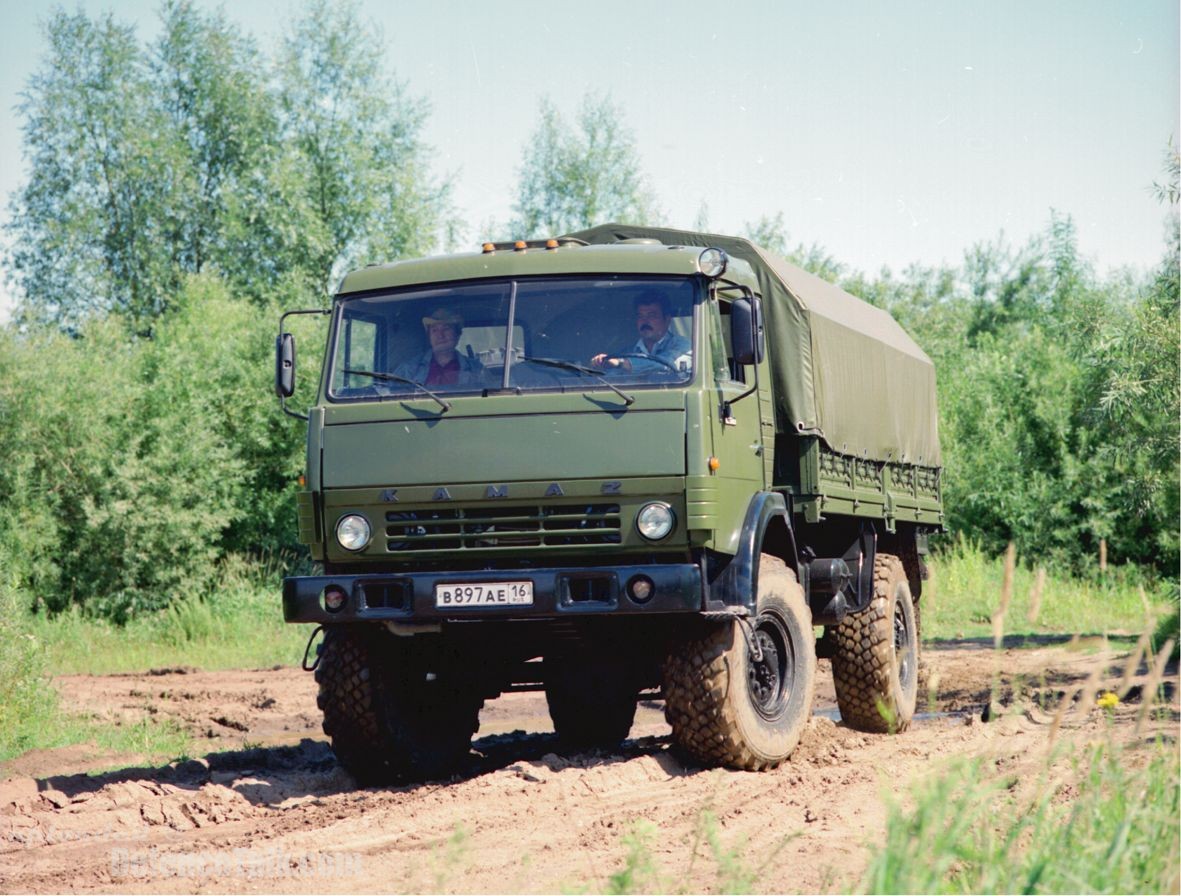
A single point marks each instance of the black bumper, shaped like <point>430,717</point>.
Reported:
<point>410,597</point>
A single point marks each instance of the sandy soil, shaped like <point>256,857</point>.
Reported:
<point>268,810</point>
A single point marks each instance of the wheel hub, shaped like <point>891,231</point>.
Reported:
<point>902,645</point>
<point>769,669</point>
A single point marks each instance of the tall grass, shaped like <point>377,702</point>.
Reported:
<point>1105,821</point>
<point>237,624</point>
<point>962,598</point>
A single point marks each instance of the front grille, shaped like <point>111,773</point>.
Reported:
<point>471,528</point>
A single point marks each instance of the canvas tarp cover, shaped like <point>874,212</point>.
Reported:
<point>843,369</point>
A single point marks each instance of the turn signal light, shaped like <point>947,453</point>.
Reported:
<point>714,463</point>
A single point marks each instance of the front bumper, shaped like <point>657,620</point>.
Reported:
<point>576,591</point>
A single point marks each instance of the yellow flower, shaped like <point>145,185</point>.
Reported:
<point>1107,700</point>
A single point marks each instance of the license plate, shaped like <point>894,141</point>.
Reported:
<point>484,594</point>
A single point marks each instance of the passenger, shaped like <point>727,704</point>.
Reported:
<point>653,316</point>
<point>442,364</point>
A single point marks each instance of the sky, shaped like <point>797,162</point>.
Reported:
<point>888,133</point>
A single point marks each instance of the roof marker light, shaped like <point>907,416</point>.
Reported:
<point>551,244</point>
<point>489,247</point>
<point>519,246</point>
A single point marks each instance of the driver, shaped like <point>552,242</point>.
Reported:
<point>653,316</point>
<point>442,365</point>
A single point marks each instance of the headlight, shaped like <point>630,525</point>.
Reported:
<point>655,521</point>
<point>352,531</point>
<point>712,262</point>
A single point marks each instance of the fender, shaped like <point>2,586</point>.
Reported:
<point>737,582</point>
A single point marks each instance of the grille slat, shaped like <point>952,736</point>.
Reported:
<point>482,528</point>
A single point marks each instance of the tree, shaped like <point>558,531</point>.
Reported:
<point>354,163</point>
<point>211,86</point>
<point>571,180</point>
<point>93,227</point>
<point>771,234</point>
<point>149,164</point>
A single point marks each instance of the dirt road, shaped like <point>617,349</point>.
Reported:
<point>268,810</point>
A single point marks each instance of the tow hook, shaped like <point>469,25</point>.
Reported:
<point>308,650</point>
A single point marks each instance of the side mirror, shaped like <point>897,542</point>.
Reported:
<point>746,331</point>
<point>285,365</point>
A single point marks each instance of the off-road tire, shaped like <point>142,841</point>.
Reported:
<point>875,667</point>
<point>591,699</point>
<point>725,709</point>
<point>394,710</point>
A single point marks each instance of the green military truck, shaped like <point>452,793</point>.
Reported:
<point>621,461</point>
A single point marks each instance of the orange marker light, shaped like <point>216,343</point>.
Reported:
<point>714,463</point>
<point>303,481</point>
<point>551,244</point>
<point>519,245</point>
<point>488,247</point>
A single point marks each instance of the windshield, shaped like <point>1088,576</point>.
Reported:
<point>568,334</point>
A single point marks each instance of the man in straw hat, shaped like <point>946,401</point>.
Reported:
<point>442,365</point>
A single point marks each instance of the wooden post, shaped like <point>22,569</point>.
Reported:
<point>1102,555</point>
<point>1035,594</point>
<point>998,617</point>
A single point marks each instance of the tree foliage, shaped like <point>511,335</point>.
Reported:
<point>771,233</point>
<point>572,179</point>
<point>196,153</point>
<point>186,189</point>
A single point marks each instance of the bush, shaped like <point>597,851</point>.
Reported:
<point>28,699</point>
<point>142,462</point>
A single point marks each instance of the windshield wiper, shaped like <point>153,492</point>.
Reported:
<point>578,368</point>
<point>400,379</point>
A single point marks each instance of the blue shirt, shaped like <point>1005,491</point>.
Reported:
<point>672,348</point>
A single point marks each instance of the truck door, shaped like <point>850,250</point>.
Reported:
<point>736,425</point>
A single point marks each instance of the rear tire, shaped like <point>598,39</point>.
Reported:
<point>728,707</point>
<point>875,667</point>
<point>394,709</point>
<point>591,698</point>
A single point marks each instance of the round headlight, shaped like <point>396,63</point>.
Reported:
<point>352,531</point>
<point>712,262</point>
<point>655,521</point>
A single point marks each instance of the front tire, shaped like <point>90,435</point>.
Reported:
<point>733,707</point>
<point>875,667</point>
<point>394,709</point>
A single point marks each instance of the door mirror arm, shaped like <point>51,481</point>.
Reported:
<point>285,362</point>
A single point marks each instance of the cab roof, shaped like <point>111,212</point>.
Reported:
<point>641,256</point>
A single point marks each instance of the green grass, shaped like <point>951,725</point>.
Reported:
<point>1105,821</point>
<point>239,625</point>
<point>965,591</point>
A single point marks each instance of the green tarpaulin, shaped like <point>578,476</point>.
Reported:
<point>842,369</point>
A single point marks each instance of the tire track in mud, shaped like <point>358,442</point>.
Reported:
<point>523,816</point>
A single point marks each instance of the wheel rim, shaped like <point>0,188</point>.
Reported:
<point>903,646</point>
<point>769,677</point>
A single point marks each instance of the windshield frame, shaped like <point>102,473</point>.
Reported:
<point>586,384</point>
